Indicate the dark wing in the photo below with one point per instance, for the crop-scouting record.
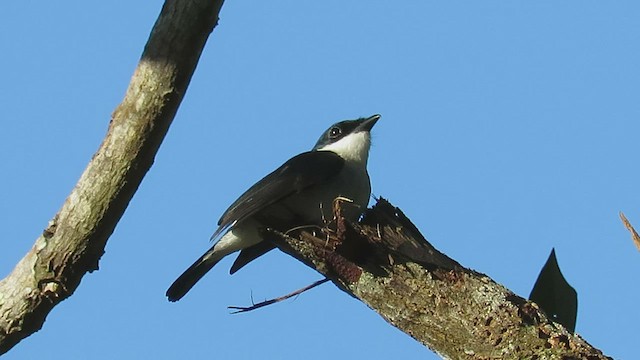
(298, 173)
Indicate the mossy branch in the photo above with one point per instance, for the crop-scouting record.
(459, 313)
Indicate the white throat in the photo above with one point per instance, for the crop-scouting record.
(353, 148)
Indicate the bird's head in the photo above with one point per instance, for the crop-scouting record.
(350, 139)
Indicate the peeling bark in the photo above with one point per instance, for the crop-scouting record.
(75, 238)
(386, 263)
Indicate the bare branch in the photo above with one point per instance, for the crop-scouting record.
(386, 263)
(75, 238)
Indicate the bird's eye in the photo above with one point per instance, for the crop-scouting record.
(334, 132)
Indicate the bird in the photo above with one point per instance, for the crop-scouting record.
(301, 192)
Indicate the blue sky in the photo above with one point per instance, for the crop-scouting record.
(507, 128)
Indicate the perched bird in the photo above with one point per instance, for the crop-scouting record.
(301, 192)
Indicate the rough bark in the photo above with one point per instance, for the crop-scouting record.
(75, 238)
(386, 263)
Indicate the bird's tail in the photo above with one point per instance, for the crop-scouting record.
(193, 274)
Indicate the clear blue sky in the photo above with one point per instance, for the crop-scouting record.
(508, 128)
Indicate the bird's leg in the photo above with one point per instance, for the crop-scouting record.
(326, 224)
(327, 229)
(324, 219)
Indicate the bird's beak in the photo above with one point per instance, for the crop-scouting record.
(367, 124)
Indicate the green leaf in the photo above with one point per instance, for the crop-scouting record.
(554, 294)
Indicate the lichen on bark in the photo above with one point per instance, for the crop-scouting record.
(385, 262)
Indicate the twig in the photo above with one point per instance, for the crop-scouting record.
(241, 309)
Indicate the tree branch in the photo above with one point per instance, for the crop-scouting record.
(75, 238)
(386, 263)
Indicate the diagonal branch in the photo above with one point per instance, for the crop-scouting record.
(634, 234)
(386, 263)
(75, 238)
